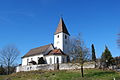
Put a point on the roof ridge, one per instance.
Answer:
(38, 50)
(40, 46)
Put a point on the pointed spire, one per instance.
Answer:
(61, 27)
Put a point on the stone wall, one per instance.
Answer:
(35, 67)
(74, 66)
(63, 66)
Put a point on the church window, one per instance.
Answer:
(27, 61)
(57, 60)
(27, 68)
(65, 37)
(50, 60)
(58, 36)
(41, 60)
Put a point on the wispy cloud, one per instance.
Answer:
(5, 16)
(5, 20)
(29, 14)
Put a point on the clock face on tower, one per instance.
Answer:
(65, 42)
(57, 42)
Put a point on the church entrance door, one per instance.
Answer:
(41, 61)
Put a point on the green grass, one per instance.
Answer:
(89, 74)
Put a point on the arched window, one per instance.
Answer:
(65, 37)
(58, 36)
(50, 60)
(27, 61)
(41, 60)
(57, 60)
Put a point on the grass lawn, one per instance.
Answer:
(89, 74)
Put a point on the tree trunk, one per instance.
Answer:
(8, 72)
(82, 71)
(57, 66)
(95, 64)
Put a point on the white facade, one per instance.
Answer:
(50, 59)
(35, 58)
(61, 41)
(53, 59)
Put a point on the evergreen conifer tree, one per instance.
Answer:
(93, 53)
(106, 57)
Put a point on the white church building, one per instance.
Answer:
(51, 53)
(51, 56)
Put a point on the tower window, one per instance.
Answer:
(65, 37)
(58, 36)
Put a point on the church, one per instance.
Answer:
(58, 52)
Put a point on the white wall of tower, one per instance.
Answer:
(66, 43)
(61, 41)
(58, 41)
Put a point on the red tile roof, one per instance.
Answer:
(61, 27)
(56, 52)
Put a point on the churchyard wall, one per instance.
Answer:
(63, 66)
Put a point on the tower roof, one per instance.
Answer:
(61, 27)
(56, 52)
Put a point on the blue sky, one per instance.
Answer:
(32, 23)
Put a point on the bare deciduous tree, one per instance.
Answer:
(8, 55)
(78, 51)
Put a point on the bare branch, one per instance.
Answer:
(8, 55)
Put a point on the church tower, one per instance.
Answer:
(61, 37)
